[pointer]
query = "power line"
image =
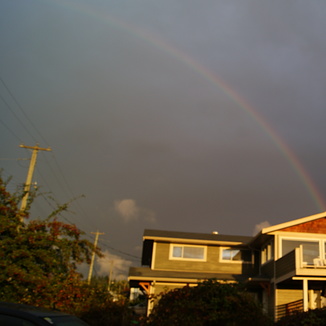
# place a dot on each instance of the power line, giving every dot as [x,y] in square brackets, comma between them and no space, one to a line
[16,116]
[23,111]
[119,251]
[11,131]
[65,186]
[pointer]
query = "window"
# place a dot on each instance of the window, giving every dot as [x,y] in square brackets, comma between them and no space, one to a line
[267,253]
[236,255]
[310,249]
[187,252]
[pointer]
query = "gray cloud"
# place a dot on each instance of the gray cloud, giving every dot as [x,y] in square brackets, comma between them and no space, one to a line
[144,134]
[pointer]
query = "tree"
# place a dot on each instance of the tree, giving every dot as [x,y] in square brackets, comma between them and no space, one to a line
[209,303]
[39,259]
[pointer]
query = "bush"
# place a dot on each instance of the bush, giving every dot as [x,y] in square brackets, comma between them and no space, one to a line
[113,313]
[315,317]
[209,303]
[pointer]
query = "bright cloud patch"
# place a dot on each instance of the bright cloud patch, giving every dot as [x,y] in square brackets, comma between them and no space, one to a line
[127,209]
[130,211]
[260,226]
[113,265]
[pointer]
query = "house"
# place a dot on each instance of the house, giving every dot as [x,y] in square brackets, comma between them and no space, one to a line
[284,266]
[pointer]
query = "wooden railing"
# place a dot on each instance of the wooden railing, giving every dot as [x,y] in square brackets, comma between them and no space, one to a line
[289,308]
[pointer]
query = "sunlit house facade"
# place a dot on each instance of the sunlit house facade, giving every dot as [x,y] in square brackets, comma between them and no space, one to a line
[284,265]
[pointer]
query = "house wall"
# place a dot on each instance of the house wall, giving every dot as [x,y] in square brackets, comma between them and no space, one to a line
[316,226]
[212,263]
[283,297]
[161,287]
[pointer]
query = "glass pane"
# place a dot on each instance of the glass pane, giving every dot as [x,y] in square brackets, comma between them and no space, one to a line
[236,255]
[177,251]
[193,252]
[310,249]
[226,254]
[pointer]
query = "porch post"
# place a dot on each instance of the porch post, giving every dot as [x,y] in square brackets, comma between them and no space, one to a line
[305,295]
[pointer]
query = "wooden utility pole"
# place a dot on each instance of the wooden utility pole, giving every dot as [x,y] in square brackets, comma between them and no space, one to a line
[110,275]
[30,173]
[93,257]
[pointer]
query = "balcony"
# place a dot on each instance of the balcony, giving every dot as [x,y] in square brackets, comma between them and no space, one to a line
[293,264]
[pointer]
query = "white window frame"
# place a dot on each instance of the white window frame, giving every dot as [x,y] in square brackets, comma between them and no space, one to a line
[173,245]
[234,261]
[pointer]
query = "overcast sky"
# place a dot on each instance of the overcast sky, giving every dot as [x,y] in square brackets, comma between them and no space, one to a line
[185,115]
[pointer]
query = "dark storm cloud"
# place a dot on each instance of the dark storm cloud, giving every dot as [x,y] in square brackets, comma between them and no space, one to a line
[151,141]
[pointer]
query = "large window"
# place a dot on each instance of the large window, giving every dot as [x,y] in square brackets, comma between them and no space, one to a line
[187,252]
[311,249]
[236,255]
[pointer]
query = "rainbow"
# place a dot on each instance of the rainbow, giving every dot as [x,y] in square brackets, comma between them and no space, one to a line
[161,45]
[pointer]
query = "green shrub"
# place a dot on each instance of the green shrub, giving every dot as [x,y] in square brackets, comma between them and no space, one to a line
[315,317]
[209,303]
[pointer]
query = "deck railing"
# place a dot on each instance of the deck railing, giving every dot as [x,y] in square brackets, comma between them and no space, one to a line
[289,308]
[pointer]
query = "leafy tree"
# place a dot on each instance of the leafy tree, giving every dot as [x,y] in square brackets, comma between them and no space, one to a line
[209,303]
[39,258]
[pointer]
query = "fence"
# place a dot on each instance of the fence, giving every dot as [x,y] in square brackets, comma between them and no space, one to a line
[289,308]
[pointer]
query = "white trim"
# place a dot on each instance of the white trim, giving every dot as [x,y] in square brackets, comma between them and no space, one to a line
[298,278]
[194,241]
[305,294]
[293,223]
[172,245]
[153,255]
[181,284]
[301,235]
[171,279]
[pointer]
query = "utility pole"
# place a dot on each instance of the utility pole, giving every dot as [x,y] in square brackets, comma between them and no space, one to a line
[30,173]
[93,257]
[110,275]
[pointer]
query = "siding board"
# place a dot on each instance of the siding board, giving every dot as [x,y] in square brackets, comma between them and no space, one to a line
[212,264]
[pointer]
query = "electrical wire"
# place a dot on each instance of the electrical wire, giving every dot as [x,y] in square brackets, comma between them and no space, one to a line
[23,112]
[62,181]
[16,116]
[11,131]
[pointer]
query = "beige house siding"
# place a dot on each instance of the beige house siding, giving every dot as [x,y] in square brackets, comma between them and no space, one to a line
[212,263]
[285,296]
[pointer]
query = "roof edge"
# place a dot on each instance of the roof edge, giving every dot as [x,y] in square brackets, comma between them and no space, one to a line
[293,222]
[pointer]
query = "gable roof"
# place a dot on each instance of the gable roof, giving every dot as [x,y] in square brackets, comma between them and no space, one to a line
[191,237]
[293,223]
